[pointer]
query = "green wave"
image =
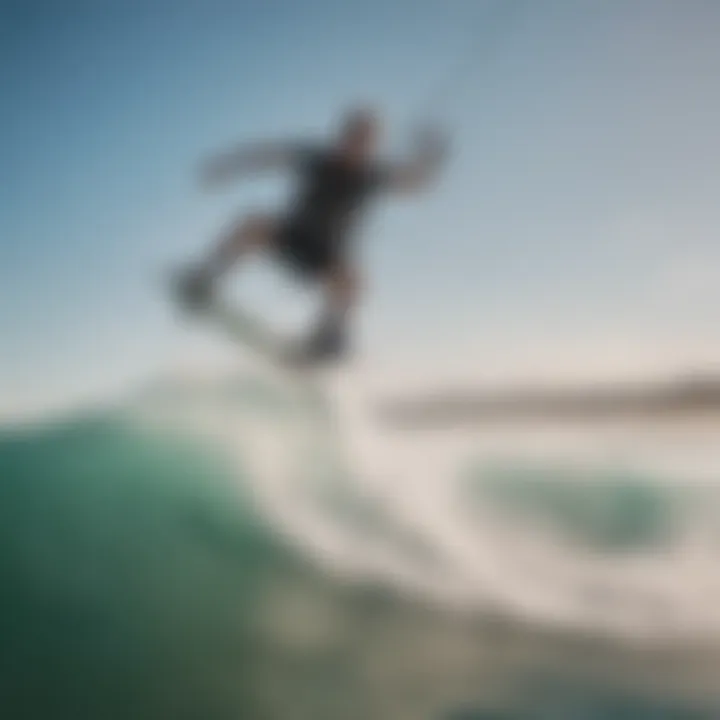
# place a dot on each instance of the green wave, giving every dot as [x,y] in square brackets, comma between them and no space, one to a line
[138,580]
[129,565]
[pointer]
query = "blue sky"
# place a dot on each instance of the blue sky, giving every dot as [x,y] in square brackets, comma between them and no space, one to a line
[579,211]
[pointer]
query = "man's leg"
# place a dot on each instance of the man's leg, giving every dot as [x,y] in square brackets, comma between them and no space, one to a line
[252,234]
[341,293]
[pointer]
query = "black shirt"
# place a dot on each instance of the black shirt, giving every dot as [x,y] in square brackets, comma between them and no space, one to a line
[331,192]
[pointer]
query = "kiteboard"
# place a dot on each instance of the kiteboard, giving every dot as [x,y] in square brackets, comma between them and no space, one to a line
[242,326]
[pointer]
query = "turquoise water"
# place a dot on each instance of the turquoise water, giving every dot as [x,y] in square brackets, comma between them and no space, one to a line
[140,577]
[610,511]
[125,566]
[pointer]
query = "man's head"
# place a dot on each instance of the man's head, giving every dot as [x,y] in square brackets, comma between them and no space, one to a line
[359,134]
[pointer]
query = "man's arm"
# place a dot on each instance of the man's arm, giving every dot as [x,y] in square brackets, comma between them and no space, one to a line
[420,171]
[247,159]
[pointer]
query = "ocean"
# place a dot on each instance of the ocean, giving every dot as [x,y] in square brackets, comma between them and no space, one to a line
[242,548]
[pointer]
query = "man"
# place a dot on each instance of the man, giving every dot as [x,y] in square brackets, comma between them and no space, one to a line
[314,237]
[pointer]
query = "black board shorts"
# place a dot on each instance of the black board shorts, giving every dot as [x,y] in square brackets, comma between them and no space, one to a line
[307,252]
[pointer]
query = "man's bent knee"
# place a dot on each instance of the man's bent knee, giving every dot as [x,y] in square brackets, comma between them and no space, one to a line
[250,234]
